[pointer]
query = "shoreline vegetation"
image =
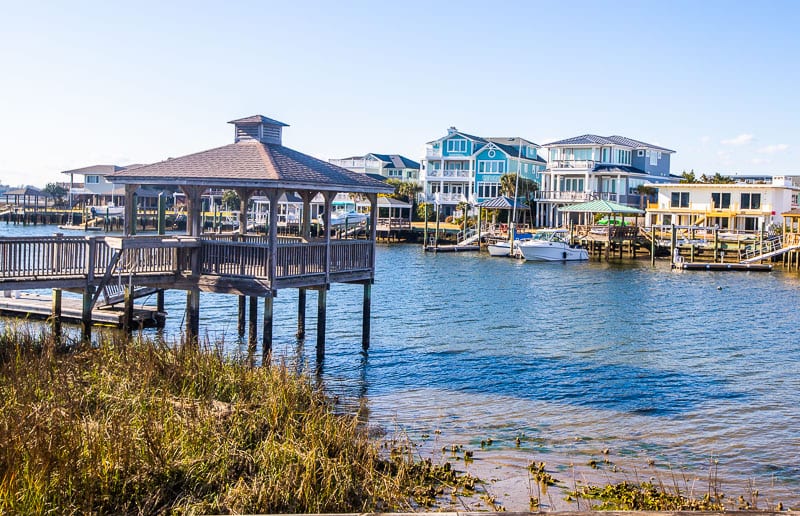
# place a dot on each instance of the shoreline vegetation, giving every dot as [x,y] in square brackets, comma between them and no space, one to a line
[137,425]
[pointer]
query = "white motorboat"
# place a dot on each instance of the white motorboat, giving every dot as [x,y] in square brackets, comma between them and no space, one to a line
[108,209]
[349,218]
[499,248]
[552,246]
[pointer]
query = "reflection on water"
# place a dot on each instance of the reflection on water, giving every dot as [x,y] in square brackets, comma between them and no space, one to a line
[675,366]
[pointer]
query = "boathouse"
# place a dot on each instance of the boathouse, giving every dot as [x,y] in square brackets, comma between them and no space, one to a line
[248,265]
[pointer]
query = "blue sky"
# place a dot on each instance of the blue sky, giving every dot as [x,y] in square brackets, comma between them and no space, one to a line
[83,83]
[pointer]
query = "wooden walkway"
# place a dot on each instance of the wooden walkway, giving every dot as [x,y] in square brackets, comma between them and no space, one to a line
[35,306]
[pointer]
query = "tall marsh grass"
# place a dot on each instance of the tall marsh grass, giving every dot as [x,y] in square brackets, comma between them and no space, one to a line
[137,426]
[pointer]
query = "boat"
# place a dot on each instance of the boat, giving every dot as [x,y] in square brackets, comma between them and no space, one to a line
[349,218]
[109,209]
[552,245]
[503,247]
[499,248]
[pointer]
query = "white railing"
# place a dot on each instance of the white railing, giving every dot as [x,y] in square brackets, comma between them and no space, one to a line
[430,152]
[572,163]
[449,173]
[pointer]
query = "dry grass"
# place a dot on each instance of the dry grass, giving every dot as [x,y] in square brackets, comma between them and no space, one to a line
[142,427]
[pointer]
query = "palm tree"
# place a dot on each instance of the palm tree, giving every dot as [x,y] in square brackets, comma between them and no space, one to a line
[688,177]
[644,191]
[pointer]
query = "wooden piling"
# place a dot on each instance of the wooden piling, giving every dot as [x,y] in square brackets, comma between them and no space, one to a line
[321,312]
[127,318]
[301,313]
[193,315]
[365,316]
[267,339]
[86,314]
[56,317]
[252,327]
[241,321]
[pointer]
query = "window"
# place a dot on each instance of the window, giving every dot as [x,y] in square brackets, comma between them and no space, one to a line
[623,157]
[553,154]
[571,184]
[488,189]
[640,153]
[750,223]
[582,154]
[92,179]
[751,201]
[492,167]
[457,145]
[722,201]
[679,200]
[654,158]
[606,155]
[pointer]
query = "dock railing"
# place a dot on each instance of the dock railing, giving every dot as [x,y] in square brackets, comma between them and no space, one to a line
[96,259]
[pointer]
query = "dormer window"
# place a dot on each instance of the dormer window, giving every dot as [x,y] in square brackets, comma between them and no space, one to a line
[457,145]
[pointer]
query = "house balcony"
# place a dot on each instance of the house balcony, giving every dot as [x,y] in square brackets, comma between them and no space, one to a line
[572,164]
[559,196]
[431,153]
[449,174]
[446,198]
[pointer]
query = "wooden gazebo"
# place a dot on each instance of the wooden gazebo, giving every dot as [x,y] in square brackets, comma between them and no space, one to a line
[246,265]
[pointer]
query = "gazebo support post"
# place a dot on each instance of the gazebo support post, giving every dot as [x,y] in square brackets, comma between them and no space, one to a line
[322,305]
[252,328]
[242,316]
[365,316]
[301,313]
[267,338]
[244,199]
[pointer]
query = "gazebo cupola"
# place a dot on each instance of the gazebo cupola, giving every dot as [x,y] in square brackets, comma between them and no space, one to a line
[258,128]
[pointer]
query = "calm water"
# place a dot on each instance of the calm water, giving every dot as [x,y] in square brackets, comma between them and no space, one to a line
[680,367]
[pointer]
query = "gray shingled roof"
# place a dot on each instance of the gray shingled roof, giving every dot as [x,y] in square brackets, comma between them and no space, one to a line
[593,139]
[95,169]
[250,163]
[257,119]
[396,160]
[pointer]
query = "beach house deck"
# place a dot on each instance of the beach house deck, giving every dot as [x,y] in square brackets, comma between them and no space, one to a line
[247,265]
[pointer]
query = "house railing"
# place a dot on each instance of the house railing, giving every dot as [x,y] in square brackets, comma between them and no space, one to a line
[572,163]
[448,172]
[554,195]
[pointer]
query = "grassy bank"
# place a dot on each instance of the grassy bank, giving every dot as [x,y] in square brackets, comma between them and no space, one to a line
[141,427]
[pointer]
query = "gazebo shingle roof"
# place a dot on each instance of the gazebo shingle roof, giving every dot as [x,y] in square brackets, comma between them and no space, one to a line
[253,164]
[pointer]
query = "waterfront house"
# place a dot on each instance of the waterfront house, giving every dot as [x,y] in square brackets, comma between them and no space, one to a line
[89,185]
[460,167]
[590,167]
[389,166]
[740,206]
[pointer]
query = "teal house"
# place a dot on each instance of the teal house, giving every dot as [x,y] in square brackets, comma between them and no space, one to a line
[460,167]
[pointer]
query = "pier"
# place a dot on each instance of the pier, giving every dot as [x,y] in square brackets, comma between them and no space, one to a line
[247,265]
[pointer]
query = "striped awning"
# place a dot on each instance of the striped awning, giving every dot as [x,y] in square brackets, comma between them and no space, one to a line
[502,203]
[601,206]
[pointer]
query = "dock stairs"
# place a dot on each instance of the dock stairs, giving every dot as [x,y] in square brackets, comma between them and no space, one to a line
[773,246]
[468,237]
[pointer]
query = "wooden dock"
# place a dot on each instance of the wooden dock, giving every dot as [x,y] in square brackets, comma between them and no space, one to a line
[452,248]
[702,266]
[35,306]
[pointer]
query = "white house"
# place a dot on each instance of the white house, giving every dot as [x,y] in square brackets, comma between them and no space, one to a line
[736,207]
